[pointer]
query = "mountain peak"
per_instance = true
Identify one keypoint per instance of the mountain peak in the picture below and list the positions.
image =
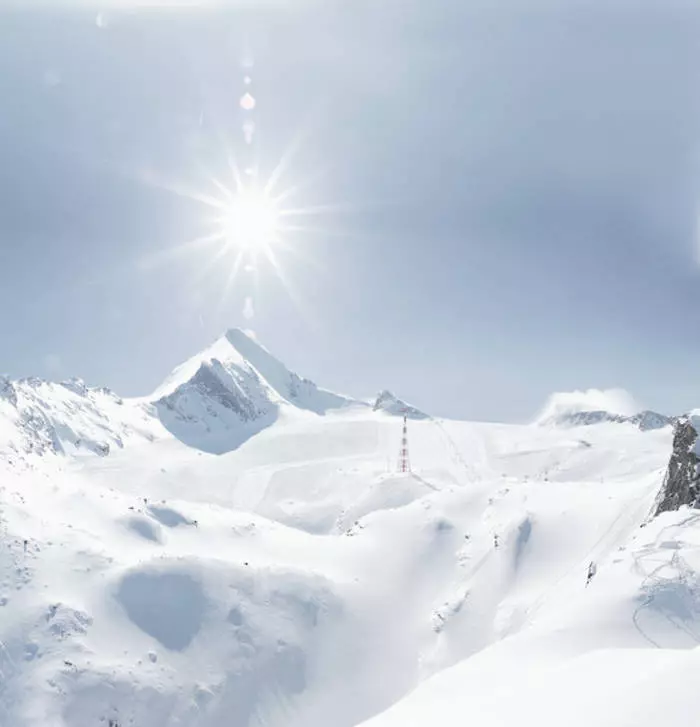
(231, 390)
(233, 335)
(391, 404)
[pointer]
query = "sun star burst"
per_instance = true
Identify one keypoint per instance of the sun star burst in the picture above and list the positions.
(250, 222)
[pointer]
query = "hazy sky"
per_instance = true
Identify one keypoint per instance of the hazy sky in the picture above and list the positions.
(512, 195)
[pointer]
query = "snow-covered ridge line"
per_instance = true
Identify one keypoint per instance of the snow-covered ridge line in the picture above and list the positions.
(301, 581)
(644, 420)
(598, 406)
(391, 404)
(233, 390)
(40, 417)
(214, 402)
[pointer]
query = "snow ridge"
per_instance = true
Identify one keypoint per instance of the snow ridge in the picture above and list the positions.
(233, 390)
(595, 406)
(387, 402)
(214, 402)
(645, 420)
(299, 580)
(42, 418)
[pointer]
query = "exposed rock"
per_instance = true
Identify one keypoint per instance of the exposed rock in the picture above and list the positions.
(41, 418)
(77, 386)
(208, 385)
(390, 404)
(8, 391)
(645, 420)
(648, 420)
(682, 481)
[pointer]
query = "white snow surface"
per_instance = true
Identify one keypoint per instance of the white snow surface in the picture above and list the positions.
(239, 353)
(294, 579)
(389, 403)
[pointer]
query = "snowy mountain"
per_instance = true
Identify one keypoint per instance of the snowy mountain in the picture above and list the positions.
(583, 409)
(233, 390)
(249, 556)
(39, 417)
(214, 402)
(644, 420)
(387, 402)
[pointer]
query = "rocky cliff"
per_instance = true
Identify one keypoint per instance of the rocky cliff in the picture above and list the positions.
(682, 481)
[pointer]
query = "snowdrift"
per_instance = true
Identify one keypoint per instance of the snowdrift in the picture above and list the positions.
(249, 556)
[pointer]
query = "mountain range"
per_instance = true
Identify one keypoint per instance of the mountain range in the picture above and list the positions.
(239, 548)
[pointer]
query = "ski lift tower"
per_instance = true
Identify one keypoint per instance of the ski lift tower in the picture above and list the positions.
(404, 461)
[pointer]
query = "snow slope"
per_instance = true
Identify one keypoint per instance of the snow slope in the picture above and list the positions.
(233, 390)
(42, 418)
(215, 401)
(276, 571)
(623, 652)
(388, 402)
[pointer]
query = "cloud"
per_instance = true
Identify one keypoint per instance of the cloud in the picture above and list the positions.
(615, 401)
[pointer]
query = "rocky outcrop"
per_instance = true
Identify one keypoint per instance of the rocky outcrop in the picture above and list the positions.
(648, 420)
(219, 407)
(387, 402)
(645, 420)
(8, 391)
(682, 481)
(209, 388)
(41, 418)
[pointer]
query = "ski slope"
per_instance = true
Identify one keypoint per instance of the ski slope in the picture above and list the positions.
(295, 579)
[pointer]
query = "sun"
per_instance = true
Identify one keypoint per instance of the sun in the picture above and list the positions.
(253, 219)
(252, 228)
(250, 222)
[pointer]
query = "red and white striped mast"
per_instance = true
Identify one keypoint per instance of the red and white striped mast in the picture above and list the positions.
(404, 461)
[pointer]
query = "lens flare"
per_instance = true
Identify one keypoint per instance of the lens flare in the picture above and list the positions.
(251, 222)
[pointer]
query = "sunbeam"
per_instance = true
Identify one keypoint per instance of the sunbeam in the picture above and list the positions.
(252, 219)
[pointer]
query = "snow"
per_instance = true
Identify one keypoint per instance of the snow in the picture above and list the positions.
(619, 653)
(278, 571)
(388, 402)
(168, 605)
(562, 404)
(239, 355)
(39, 417)
(232, 391)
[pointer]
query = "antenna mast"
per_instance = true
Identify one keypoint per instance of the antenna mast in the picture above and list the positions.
(404, 461)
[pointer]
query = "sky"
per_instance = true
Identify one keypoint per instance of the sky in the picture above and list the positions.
(499, 200)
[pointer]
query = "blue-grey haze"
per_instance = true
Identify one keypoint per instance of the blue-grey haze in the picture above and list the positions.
(512, 194)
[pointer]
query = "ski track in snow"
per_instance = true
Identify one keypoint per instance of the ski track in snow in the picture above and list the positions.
(475, 492)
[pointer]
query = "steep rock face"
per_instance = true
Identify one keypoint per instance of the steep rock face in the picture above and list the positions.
(231, 391)
(215, 385)
(682, 481)
(218, 408)
(387, 402)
